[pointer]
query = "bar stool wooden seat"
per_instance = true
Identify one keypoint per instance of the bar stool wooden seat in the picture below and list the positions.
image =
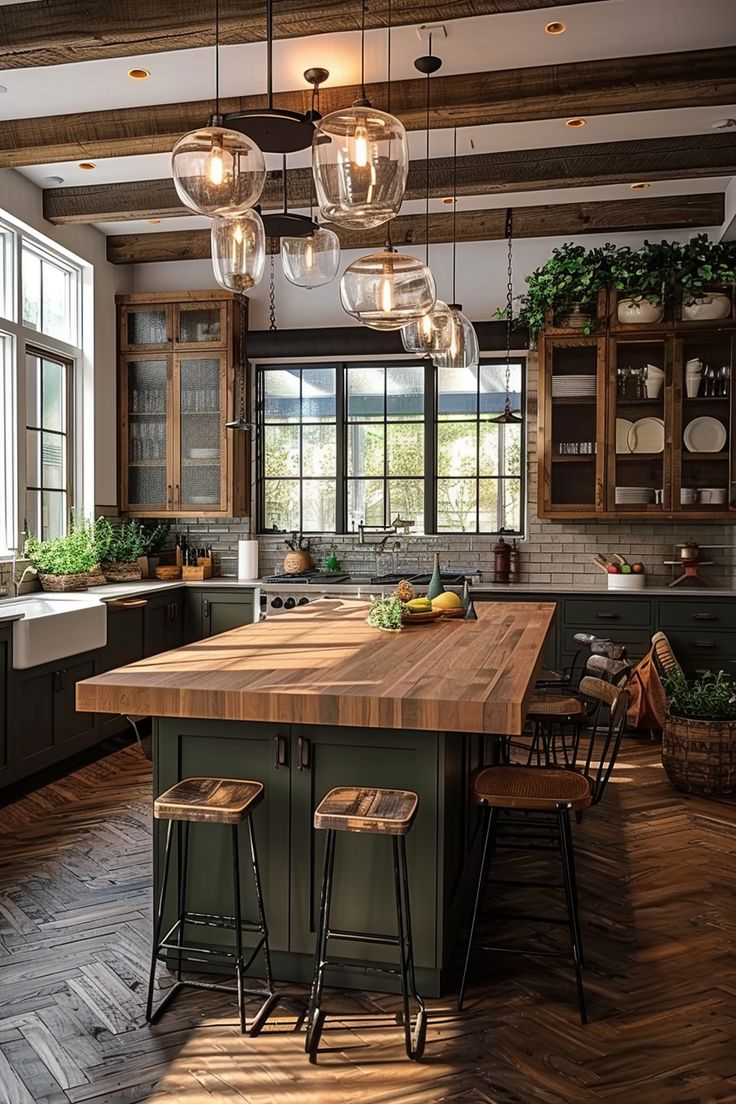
(381, 812)
(226, 801)
(544, 796)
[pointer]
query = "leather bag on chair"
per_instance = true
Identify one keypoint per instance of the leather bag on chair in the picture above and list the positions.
(648, 700)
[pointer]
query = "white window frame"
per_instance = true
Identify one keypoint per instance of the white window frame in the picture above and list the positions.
(16, 337)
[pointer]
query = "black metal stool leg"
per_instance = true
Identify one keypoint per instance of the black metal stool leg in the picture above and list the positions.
(488, 843)
(183, 874)
(315, 1017)
(272, 998)
(238, 928)
(576, 941)
(414, 1040)
(158, 920)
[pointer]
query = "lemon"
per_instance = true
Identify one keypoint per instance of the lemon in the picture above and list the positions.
(447, 600)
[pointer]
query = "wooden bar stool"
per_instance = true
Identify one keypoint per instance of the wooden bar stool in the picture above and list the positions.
(384, 813)
(227, 801)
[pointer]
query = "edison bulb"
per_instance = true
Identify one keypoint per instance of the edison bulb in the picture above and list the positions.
(218, 172)
(387, 290)
(238, 251)
(360, 146)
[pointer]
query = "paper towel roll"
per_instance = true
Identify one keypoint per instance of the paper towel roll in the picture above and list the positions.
(248, 560)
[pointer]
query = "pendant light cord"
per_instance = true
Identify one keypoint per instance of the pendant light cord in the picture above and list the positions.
(388, 61)
(217, 58)
(426, 219)
(269, 53)
(243, 361)
(362, 49)
(509, 305)
(454, 210)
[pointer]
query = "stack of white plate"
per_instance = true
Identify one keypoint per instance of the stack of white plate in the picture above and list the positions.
(573, 387)
(634, 496)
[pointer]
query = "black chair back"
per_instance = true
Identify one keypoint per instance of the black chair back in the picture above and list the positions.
(594, 747)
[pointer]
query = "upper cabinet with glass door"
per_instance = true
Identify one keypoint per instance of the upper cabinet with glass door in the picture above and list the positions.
(175, 321)
(639, 464)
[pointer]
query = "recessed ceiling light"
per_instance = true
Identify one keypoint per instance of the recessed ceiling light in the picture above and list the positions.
(3, 89)
(154, 222)
(53, 180)
(139, 74)
(448, 201)
(575, 123)
(555, 28)
(640, 185)
(87, 165)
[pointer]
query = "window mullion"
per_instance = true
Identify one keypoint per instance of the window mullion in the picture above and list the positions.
(341, 444)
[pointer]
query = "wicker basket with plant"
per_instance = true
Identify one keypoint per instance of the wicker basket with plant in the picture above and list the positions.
(699, 737)
(63, 563)
(118, 549)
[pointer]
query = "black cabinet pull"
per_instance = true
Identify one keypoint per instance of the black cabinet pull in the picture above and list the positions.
(303, 753)
(704, 617)
(205, 607)
(280, 751)
(607, 616)
(705, 644)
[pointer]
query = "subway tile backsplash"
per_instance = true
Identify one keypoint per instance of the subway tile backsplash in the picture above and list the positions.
(553, 553)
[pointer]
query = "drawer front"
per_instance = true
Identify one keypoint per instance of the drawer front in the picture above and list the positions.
(703, 643)
(706, 615)
(636, 641)
(593, 613)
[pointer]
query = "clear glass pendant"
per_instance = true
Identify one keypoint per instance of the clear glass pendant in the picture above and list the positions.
(462, 351)
(360, 162)
(218, 172)
(387, 290)
(238, 251)
(431, 334)
(311, 261)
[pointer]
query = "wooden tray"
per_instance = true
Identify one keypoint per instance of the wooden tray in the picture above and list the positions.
(452, 612)
(419, 618)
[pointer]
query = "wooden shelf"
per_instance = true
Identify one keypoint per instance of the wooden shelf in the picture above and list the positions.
(640, 455)
(587, 456)
(574, 401)
(705, 455)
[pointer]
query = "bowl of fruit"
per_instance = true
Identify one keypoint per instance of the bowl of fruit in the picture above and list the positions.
(621, 574)
(420, 608)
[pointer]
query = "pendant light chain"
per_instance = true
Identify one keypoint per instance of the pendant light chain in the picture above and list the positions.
(509, 301)
(217, 58)
(272, 298)
(388, 60)
(269, 52)
(426, 219)
(454, 210)
(243, 371)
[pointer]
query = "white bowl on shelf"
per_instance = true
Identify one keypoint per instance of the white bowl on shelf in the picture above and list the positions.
(709, 307)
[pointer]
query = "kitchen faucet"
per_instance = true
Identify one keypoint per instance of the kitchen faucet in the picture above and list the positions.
(18, 580)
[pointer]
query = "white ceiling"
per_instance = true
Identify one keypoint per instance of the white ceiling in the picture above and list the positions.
(594, 30)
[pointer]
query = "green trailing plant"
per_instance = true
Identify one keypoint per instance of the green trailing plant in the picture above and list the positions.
(386, 613)
(712, 697)
(572, 278)
(121, 543)
(73, 554)
(704, 264)
(647, 273)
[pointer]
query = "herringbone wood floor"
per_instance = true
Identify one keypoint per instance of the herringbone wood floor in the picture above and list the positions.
(657, 873)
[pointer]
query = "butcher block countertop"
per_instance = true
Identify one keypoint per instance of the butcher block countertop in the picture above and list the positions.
(323, 665)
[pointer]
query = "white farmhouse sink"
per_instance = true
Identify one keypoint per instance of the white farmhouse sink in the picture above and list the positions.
(54, 626)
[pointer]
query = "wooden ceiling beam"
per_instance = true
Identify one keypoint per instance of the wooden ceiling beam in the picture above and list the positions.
(52, 32)
(616, 216)
(607, 86)
(686, 157)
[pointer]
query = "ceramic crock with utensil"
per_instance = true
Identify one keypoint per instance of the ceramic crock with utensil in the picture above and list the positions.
(693, 377)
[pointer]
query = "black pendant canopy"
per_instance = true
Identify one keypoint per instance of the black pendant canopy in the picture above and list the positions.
(273, 129)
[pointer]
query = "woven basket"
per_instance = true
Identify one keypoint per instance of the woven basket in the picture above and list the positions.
(121, 572)
(700, 756)
(64, 582)
(95, 577)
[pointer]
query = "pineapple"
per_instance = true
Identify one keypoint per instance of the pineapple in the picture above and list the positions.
(405, 591)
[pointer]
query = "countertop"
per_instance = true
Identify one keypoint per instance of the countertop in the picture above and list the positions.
(325, 665)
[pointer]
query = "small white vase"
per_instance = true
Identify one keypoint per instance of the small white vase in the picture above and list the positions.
(639, 310)
(710, 307)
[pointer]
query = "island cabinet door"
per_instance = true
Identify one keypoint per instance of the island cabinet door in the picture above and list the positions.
(185, 748)
(363, 894)
(5, 646)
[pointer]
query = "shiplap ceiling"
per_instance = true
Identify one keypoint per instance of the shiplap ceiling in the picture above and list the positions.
(486, 43)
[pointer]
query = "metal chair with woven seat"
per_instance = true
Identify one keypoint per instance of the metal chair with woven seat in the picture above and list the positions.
(548, 794)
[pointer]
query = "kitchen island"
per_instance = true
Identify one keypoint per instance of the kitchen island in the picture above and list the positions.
(316, 699)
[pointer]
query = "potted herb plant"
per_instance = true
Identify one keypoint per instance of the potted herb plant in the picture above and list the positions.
(118, 549)
(64, 562)
(644, 279)
(705, 268)
(699, 736)
(153, 541)
(565, 290)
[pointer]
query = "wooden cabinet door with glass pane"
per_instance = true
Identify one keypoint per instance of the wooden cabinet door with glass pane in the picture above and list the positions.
(571, 431)
(640, 429)
(200, 386)
(145, 326)
(146, 447)
(201, 324)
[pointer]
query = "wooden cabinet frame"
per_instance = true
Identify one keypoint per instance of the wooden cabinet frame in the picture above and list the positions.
(679, 340)
(234, 446)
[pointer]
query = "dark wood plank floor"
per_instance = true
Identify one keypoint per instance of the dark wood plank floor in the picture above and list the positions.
(657, 872)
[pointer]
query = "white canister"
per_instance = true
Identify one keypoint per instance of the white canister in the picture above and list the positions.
(709, 307)
(639, 310)
(692, 384)
(247, 560)
(654, 381)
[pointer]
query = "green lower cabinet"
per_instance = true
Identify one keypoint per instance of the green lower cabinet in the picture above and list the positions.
(441, 846)
(47, 726)
(225, 610)
(5, 758)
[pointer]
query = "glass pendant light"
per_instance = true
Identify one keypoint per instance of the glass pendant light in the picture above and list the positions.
(463, 351)
(387, 290)
(312, 261)
(508, 417)
(238, 251)
(217, 171)
(432, 333)
(360, 157)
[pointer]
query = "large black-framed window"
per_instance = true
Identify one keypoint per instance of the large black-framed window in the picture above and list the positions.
(49, 415)
(340, 444)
